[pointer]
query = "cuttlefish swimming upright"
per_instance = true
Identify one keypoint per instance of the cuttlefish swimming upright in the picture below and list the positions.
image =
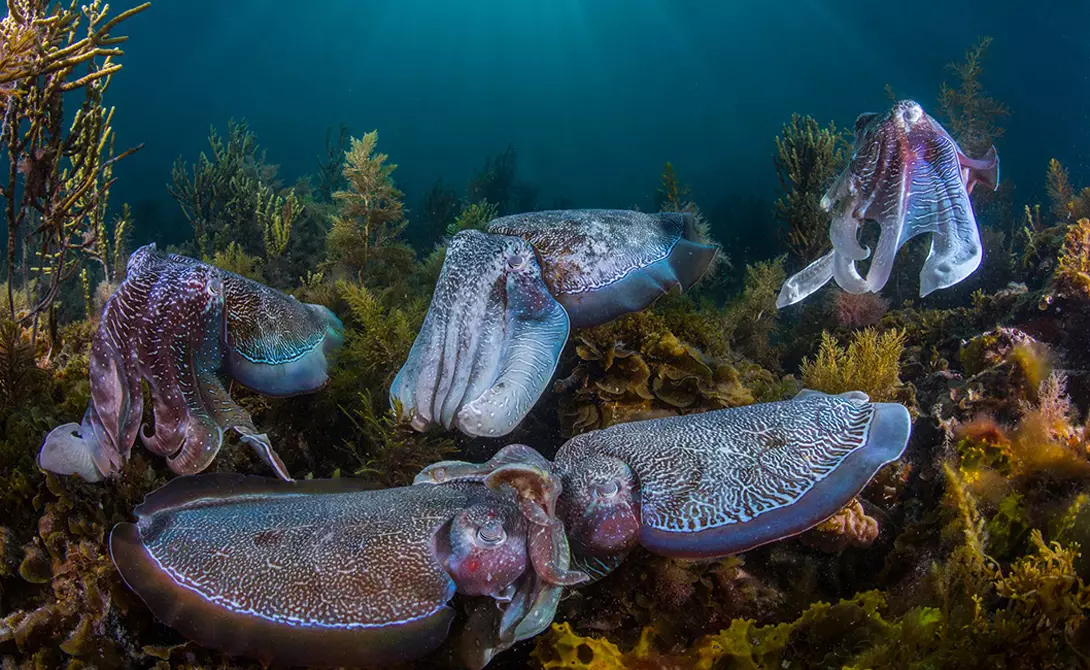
(909, 176)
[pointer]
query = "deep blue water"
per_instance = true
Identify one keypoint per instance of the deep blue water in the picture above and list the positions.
(594, 94)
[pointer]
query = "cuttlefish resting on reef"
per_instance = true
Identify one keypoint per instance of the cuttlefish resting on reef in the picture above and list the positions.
(907, 174)
(506, 298)
(713, 484)
(325, 573)
(185, 328)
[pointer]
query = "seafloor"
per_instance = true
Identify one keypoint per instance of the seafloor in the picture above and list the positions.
(976, 562)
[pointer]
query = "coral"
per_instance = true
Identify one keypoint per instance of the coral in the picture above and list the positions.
(364, 237)
(972, 116)
(1072, 277)
(636, 368)
(870, 363)
(850, 527)
(857, 310)
(807, 159)
(64, 160)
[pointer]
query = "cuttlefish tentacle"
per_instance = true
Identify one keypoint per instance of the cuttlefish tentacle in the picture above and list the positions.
(526, 472)
(183, 327)
(723, 482)
(910, 177)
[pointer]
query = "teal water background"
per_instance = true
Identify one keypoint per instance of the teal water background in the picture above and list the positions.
(595, 95)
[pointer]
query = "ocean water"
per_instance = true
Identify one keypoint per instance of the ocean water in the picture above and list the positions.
(688, 438)
(594, 96)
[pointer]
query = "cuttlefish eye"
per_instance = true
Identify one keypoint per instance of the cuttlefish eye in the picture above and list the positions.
(600, 507)
(913, 112)
(487, 550)
(491, 534)
(604, 490)
(516, 261)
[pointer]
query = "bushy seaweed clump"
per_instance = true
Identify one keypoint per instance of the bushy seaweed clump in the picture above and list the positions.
(808, 158)
(870, 363)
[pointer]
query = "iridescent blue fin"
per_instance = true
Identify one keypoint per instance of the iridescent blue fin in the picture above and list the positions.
(275, 344)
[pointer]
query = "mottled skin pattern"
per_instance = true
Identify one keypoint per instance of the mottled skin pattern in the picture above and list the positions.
(909, 176)
(725, 481)
(728, 468)
(711, 484)
(324, 573)
(505, 299)
(585, 250)
(184, 327)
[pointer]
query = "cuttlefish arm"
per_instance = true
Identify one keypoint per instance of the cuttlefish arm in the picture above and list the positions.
(527, 473)
(319, 573)
(723, 482)
(489, 344)
(505, 300)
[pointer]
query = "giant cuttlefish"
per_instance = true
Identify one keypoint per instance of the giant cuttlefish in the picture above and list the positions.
(185, 327)
(325, 573)
(908, 175)
(506, 298)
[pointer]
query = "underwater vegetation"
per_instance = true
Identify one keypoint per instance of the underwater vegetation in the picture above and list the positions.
(966, 551)
(60, 164)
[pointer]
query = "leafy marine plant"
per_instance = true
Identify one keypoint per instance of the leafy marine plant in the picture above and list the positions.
(808, 157)
(60, 164)
(971, 114)
(234, 197)
(870, 363)
(1072, 277)
(364, 240)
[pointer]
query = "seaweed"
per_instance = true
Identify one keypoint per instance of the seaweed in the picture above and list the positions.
(60, 163)
(364, 240)
(870, 363)
(972, 116)
(808, 157)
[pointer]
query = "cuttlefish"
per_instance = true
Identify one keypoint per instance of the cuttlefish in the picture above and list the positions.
(909, 176)
(187, 328)
(506, 299)
(327, 573)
